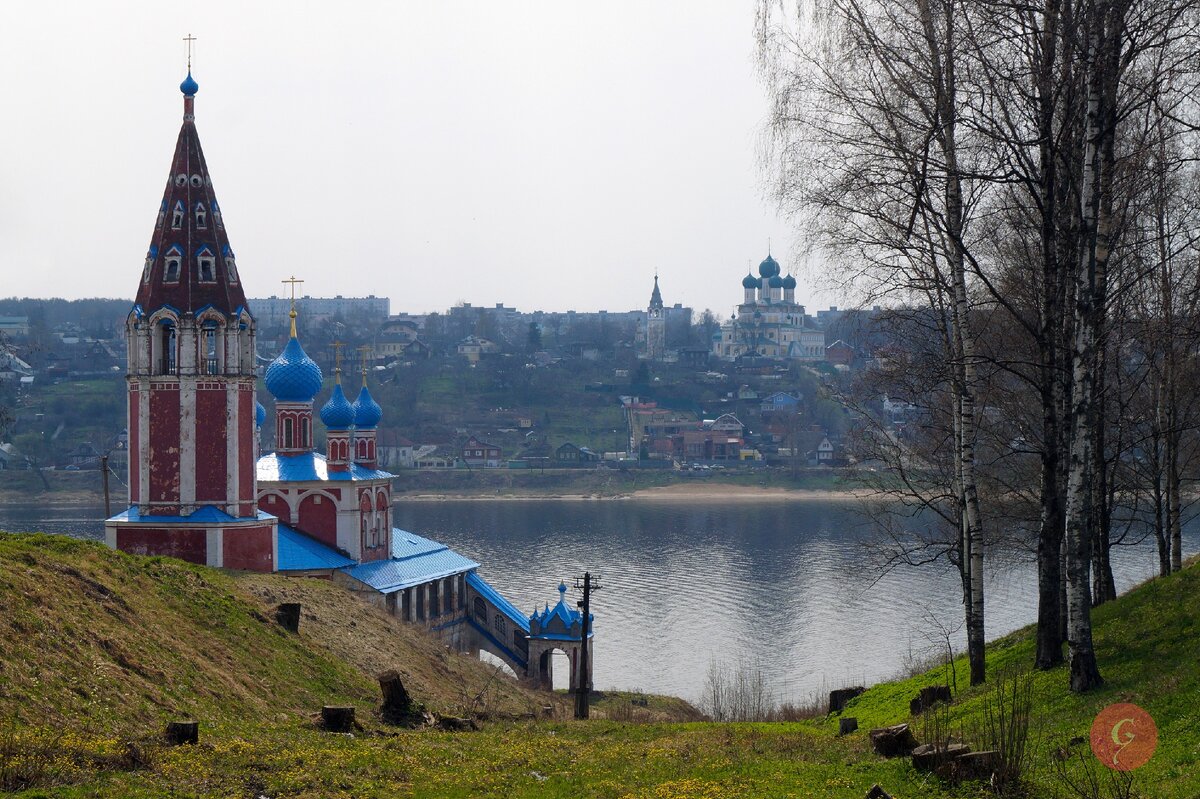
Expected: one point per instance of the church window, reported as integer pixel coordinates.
(208, 272)
(304, 432)
(177, 215)
(201, 216)
(287, 433)
(498, 623)
(480, 610)
(197, 181)
(216, 212)
(231, 269)
(168, 350)
(171, 275)
(146, 269)
(209, 342)
(317, 499)
(270, 499)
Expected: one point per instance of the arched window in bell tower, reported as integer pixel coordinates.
(210, 360)
(304, 432)
(201, 216)
(287, 433)
(167, 349)
(177, 215)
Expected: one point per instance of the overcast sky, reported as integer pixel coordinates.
(543, 155)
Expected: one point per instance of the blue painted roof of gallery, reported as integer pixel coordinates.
(415, 560)
(205, 514)
(492, 595)
(299, 552)
(308, 466)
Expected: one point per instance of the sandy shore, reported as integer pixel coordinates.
(680, 492)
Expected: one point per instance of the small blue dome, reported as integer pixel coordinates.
(189, 86)
(293, 376)
(776, 282)
(768, 268)
(367, 412)
(260, 414)
(749, 282)
(337, 413)
(789, 282)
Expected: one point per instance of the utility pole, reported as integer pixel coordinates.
(104, 474)
(581, 688)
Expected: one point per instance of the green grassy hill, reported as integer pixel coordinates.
(98, 649)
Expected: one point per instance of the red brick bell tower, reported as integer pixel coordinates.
(191, 379)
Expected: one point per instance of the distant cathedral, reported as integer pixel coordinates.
(769, 323)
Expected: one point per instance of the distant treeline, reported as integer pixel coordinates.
(95, 316)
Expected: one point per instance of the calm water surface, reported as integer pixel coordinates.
(785, 585)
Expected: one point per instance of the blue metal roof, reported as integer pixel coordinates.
(299, 552)
(425, 561)
(274, 468)
(206, 514)
(503, 605)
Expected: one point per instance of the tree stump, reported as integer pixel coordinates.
(847, 725)
(893, 741)
(397, 704)
(977, 765)
(182, 732)
(839, 698)
(930, 757)
(337, 719)
(288, 616)
(929, 696)
(878, 793)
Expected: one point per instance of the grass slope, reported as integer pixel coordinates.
(184, 640)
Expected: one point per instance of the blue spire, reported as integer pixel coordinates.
(293, 376)
(189, 87)
(367, 412)
(337, 413)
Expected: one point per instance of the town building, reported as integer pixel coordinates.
(198, 488)
(769, 323)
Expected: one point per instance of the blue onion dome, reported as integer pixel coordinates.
(337, 413)
(789, 282)
(367, 412)
(260, 414)
(769, 267)
(776, 282)
(293, 376)
(749, 282)
(189, 86)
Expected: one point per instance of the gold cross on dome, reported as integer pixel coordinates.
(337, 354)
(292, 313)
(363, 350)
(189, 39)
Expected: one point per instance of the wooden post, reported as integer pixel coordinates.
(182, 732)
(104, 475)
(582, 688)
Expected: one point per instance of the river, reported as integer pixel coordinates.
(781, 585)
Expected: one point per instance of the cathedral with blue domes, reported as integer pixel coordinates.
(769, 323)
(199, 488)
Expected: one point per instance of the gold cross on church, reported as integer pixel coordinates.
(292, 313)
(337, 357)
(189, 39)
(363, 350)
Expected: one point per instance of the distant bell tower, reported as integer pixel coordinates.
(656, 326)
(191, 384)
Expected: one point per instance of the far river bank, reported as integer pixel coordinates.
(732, 485)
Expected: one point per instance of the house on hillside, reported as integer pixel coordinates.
(474, 347)
(839, 353)
(571, 455)
(476, 453)
(780, 402)
(394, 450)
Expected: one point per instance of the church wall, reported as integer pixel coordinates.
(250, 548)
(211, 444)
(135, 444)
(164, 446)
(189, 545)
(318, 518)
(245, 463)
